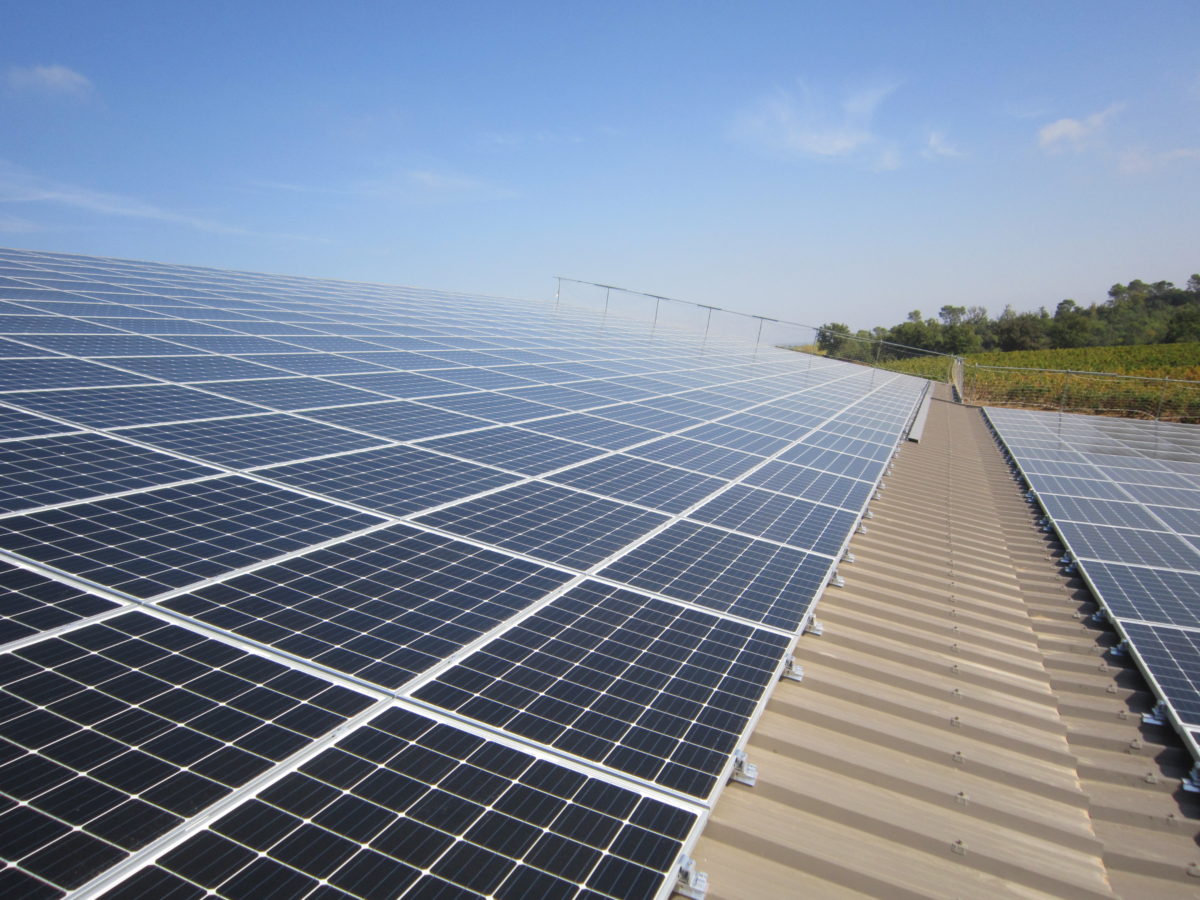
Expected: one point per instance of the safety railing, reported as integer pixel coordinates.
(1098, 393)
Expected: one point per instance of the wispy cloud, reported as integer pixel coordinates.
(406, 186)
(506, 140)
(16, 225)
(1029, 108)
(802, 123)
(53, 80)
(1143, 159)
(1075, 134)
(19, 186)
(936, 146)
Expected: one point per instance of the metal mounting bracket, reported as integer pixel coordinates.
(688, 882)
(743, 772)
(792, 670)
(1156, 716)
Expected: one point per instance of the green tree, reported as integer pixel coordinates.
(831, 336)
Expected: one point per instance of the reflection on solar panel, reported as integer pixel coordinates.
(406, 593)
(1117, 492)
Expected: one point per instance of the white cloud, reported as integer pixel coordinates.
(937, 146)
(405, 186)
(512, 139)
(801, 123)
(49, 80)
(1076, 133)
(1142, 159)
(19, 186)
(17, 225)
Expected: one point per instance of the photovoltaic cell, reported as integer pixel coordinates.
(548, 522)
(406, 807)
(721, 462)
(592, 430)
(208, 367)
(1150, 595)
(384, 606)
(249, 441)
(401, 385)
(799, 523)
(1173, 657)
(393, 480)
(1089, 509)
(106, 344)
(1148, 548)
(115, 407)
(291, 393)
(655, 690)
(115, 732)
(31, 603)
(832, 461)
(731, 573)
(15, 423)
(514, 448)
(398, 420)
(154, 541)
(640, 481)
(34, 374)
(812, 484)
(312, 363)
(47, 470)
(736, 438)
(497, 407)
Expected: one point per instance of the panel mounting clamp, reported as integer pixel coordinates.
(690, 883)
(744, 772)
(792, 670)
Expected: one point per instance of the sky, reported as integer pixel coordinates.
(813, 162)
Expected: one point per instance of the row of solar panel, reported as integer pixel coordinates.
(653, 682)
(1125, 499)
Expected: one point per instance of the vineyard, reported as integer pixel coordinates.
(1152, 381)
(1181, 361)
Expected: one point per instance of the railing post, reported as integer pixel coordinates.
(557, 290)
(1162, 396)
(707, 320)
(607, 292)
(1062, 400)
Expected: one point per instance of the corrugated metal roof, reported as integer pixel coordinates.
(960, 731)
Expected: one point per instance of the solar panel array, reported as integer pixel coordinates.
(344, 590)
(1124, 497)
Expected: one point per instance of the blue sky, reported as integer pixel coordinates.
(815, 162)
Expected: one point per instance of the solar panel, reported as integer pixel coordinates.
(720, 570)
(150, 542)
(513, 448)
(395, 480)
(48, 470)
(115, 733)
(419, 809)
(656, 690)
(548, 522)
(316, 588)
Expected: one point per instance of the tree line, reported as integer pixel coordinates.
(1134, 313)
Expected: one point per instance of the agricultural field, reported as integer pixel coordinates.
(1067, 379)
(1180, 361)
